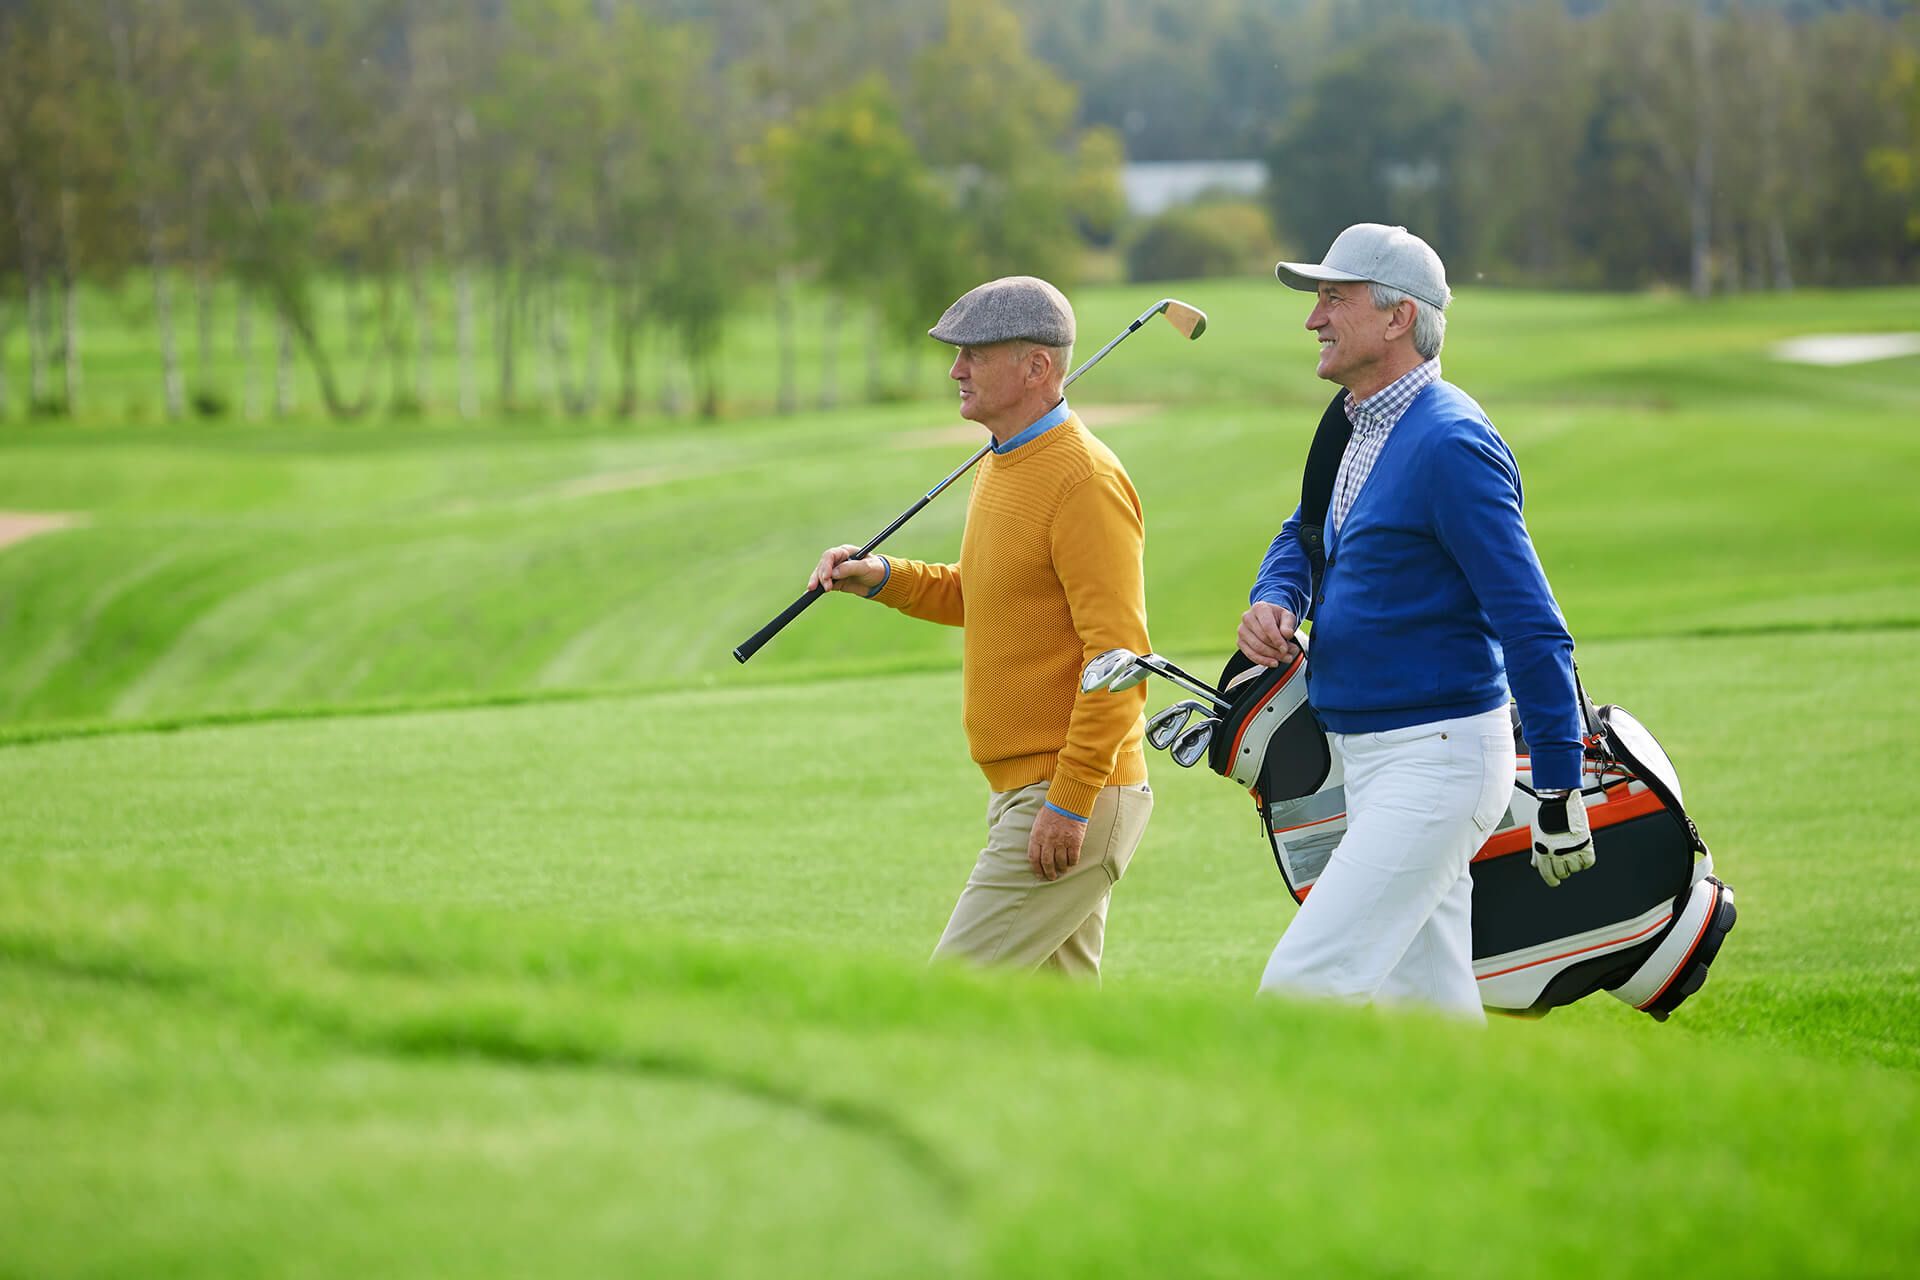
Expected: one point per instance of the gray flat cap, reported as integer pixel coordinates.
(1392, 256)
(1024, 307)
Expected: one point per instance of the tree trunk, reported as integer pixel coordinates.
(626, 334)
(370, 354)
(456, 263)
(787, 397)
(1700, 193)
(875, 384)
(149, 212)
(163, 316)
(36, 297)
(1700, 220)
(38, 343)
(830, 350)
(202, 292)
(503, 336)
(422, 336)
(590, 348)
(671, 401)
(243, 349)
(1782, 262)
(297, 325)
(559, 344)
(69, 304)
(463, 335)
(390, 343)
(283, 370)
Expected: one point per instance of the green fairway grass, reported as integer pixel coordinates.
(398, 875)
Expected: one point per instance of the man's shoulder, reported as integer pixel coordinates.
(1094, 453)
(1445, 417)
(1448, 406)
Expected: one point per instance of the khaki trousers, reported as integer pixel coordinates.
(1007, 915)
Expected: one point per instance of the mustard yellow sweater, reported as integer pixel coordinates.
(1049, 576)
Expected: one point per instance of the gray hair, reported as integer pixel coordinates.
(1062, 358)
(1429, 322)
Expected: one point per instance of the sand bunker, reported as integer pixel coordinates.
(1847, 348)
(18, 526)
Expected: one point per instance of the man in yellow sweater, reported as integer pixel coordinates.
(1049, 576)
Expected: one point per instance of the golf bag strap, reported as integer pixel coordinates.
(1591, 729)
(1316, 485)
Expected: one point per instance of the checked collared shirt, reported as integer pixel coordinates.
(1372, 419)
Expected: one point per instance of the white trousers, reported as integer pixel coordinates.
(1391, 917)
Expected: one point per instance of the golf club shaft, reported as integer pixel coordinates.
(752, 644)
(1167, 671)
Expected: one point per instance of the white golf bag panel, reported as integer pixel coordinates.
(1643, 923)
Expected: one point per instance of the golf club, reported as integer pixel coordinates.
(1103, 668)
(1165, 725)
(1153, 664)
(1192, 744)
(1189, 320)
(1117, 670)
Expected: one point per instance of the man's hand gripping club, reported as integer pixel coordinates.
(837, 571)
(1562, 843)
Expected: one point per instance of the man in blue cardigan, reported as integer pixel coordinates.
(1431, 607)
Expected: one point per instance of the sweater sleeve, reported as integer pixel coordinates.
(1099, 539)
(1285, 577)
(930, 592)
(1477, 517)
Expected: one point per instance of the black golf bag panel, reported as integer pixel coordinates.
(1276, 747)
(1643, 924)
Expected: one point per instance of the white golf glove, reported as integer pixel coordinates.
(1562, 844)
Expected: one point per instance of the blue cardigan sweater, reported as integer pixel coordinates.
(1433, 597)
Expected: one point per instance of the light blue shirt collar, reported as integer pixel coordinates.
(1055, 416)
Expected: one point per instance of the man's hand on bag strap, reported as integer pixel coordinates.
(1266, 634)
(1562, 842)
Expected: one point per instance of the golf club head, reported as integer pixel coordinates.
(1165, 725)
(1193, 743)
(1191, 321)
(1101, 671)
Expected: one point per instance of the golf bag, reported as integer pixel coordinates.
(1643, 923)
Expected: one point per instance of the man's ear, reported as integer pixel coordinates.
(1039, 363)
(1402, 318)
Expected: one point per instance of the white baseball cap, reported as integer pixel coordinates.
(1379, 254)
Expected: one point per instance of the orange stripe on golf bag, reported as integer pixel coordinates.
(1605, 814)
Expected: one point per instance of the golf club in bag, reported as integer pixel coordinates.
(1189, 320)
(1643, 923)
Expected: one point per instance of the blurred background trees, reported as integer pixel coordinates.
(535, 194)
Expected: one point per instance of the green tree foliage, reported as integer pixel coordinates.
(865, 207)
(1379, 137)
(1217, 238)
(528, 194)
(998, 121)
(1896, 165)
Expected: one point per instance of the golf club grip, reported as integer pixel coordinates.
(752, 644)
